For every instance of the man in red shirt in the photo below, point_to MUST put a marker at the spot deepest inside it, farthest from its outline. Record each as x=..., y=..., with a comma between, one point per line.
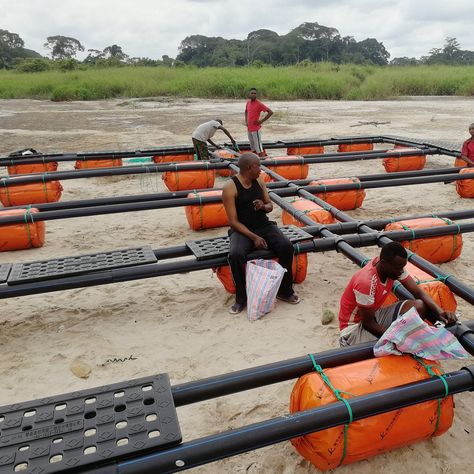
x=253, y=110
x=467, y=151
x=361, y=316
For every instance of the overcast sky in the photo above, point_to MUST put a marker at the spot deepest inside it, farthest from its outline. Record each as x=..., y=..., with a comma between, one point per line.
x=152, y=28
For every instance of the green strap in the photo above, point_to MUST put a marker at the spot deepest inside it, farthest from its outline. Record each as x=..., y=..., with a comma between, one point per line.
x=201, y=220
x=337, y=394
x=364, y=262
x=27, y=227
x=7, y=191
x=442, y=377
x=297, y=248
x=45, y=190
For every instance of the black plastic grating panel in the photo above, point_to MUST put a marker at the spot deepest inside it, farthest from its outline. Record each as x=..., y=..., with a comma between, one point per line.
x=219, y=246
x=90, y=427
x=67, y=266
x=4, y=271
x=446, y=144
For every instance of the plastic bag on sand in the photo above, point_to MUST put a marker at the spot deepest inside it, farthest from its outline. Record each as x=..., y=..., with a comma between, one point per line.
x=410, y=334
x=263, y=278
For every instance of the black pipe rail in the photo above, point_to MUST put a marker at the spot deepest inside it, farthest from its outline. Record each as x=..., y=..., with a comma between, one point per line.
x=176, y=150
x=282, y=192
x=53, y=206
x=194, y=165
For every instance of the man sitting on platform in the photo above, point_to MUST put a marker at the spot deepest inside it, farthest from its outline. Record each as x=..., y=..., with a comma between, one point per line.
x=247, y=203
x=361, y=316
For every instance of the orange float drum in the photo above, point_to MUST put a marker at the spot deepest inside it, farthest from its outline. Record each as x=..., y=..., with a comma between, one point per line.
x=377, y=434
x=344, y=200
x=465, y=187
x=87, y=164
x=173, y=158
x=311, y=209
x=434, y=249
x=438, y=290
x=292, y=171
x=33, y=193
x=33, y=168
x=405, y=163
x=299, y=268
x=350, y=147
x=183, y=180
x=21, y=236
x=305, y=150
x=206, y=215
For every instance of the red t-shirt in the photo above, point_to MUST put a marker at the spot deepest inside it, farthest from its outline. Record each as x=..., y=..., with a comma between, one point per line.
x=468, y=149
x=365, y=290
x=254, y=108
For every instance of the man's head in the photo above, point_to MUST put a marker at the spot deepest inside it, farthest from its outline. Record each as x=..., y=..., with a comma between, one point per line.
x=249, y=165
x=471, y=129
x=253, y=93
x=393, y=258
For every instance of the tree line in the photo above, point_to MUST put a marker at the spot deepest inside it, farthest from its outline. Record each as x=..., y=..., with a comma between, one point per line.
x=308, y=43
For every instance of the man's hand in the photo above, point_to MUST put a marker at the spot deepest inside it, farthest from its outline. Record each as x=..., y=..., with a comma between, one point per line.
x=259, y=205
x=260, y=243
x=448, y=317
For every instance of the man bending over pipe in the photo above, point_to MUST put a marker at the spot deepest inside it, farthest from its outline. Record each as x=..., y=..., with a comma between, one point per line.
x=361, y=316
x=203, y=134
x=247, y=204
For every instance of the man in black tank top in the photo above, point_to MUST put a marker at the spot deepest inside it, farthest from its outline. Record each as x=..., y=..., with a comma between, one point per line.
x=247, y=203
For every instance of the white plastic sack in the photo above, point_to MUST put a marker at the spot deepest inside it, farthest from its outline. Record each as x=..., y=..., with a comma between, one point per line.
x=263, y=279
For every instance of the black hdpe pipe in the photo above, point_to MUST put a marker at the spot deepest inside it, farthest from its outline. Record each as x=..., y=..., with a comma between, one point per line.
x=137, y=272
x=248, y=438
x=192, y=165
x=173, y=150
x=283, y=192
x=54, y=206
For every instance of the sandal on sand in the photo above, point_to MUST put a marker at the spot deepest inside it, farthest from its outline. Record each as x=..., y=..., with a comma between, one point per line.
x=236, y=308
x=292, y=299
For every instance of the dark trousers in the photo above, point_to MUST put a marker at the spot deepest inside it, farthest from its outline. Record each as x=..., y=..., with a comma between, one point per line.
x=241, y=246
x=201, y=149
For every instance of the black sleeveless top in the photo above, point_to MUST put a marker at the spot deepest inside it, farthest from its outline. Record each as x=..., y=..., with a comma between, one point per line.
x=246, y=213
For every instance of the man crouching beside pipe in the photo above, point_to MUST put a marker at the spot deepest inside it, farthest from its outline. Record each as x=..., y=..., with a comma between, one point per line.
x=361, y=316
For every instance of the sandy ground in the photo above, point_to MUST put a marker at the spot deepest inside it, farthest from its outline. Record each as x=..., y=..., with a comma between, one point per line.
x=180, y=324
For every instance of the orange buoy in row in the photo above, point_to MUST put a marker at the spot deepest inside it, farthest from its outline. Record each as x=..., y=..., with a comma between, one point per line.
x=343, y=200
x=173, y=158
x=21, y=236
x=434, y=249
x=33, y=193
x=305, y=150
x=311, y=209
x=33, y=168
x=226, y=155
x=206, y=216
x=438, y=290
x=87, y=164
x=404, y=163
x=465, y=187
x=299, y=267
x=293, y=171
x=350, y=147
x=183, y=180
x=377, y=434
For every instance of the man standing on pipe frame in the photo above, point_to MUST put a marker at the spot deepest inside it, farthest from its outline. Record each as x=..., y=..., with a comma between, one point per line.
x=361, y=316
x=247, y=204
x=203, y=134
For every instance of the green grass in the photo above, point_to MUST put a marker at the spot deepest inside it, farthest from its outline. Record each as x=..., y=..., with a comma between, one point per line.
x=317, y=81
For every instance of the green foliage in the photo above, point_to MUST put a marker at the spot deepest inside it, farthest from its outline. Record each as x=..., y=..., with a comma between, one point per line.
x=33, y=65
x=322, y=80
x=63, y=47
